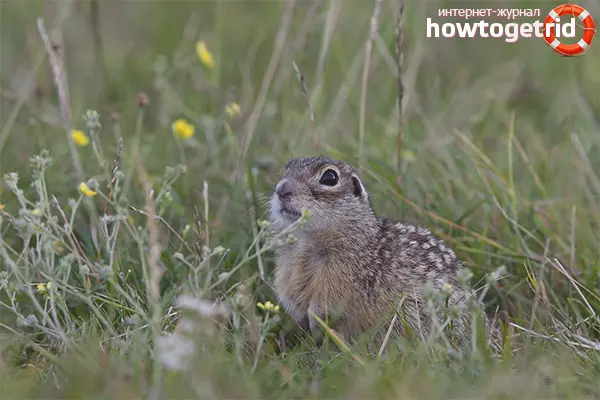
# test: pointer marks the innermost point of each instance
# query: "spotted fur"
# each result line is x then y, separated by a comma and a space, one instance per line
351, 264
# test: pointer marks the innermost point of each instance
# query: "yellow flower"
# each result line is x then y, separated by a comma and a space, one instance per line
36, 211
268, 306
447, 288
85, 189
79, 138
2, 207
233, 109
183, 129
205, 55
44, 288
41, 288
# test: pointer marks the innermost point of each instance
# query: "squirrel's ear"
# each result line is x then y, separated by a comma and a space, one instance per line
359, 189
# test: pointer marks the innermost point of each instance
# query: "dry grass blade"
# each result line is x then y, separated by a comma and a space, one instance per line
538, 285
365, 79
165, 223
113, 174
572, 239
304, 89
298, 45
205, 198
585, 343
558, 265
111, 187
153, 234
400, 62
333, 15
337, 339
206, 227
252, 122
199, 235
55, 53
388, 334
154, 271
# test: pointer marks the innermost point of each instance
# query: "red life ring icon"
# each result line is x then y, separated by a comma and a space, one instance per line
588, 25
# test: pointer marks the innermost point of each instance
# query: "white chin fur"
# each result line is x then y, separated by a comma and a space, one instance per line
276, 215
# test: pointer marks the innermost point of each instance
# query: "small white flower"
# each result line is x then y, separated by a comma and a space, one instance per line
173, 351
203, 307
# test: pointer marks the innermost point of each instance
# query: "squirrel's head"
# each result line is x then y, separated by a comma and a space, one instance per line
331, 190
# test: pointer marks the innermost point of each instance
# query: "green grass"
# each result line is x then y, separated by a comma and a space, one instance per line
501, 158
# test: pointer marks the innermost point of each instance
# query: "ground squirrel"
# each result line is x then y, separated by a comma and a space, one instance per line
349, 262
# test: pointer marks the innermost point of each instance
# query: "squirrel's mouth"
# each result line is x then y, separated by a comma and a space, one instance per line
290, 213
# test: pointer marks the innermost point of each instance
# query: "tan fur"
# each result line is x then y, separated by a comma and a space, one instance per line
349, 264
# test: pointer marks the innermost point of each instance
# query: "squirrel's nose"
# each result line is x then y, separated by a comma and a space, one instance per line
284, 189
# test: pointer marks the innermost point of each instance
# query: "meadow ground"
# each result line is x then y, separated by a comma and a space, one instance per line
99, 298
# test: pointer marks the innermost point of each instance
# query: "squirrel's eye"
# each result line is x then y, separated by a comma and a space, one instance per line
329, 178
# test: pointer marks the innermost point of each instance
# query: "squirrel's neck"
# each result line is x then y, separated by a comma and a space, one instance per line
351, 237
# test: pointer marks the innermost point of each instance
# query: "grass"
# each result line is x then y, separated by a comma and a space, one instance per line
149, 288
